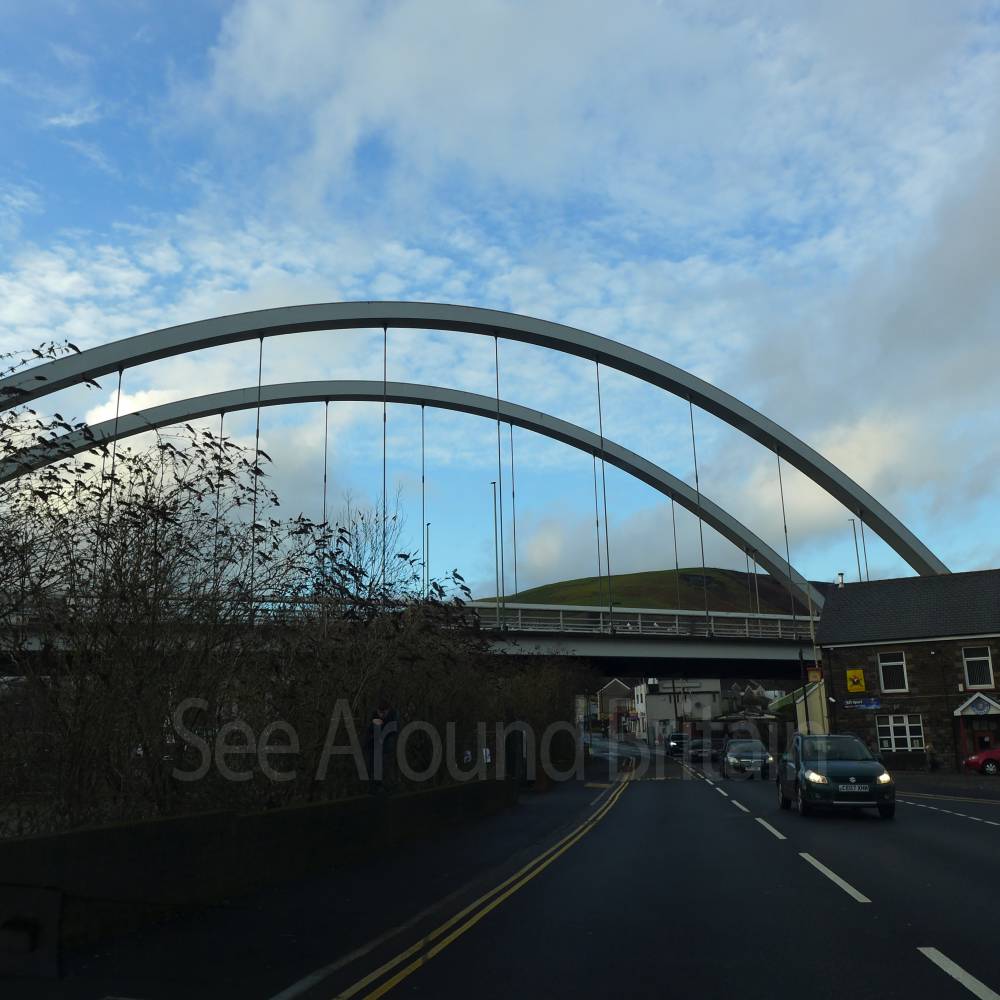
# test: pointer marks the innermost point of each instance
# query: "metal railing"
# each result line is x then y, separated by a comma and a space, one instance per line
641, 622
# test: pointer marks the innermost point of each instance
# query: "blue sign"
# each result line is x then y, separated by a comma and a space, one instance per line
863, 703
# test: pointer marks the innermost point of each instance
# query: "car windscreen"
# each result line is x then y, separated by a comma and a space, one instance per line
747, 746
834, 748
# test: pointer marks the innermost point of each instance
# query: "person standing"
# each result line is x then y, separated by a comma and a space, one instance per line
381, 736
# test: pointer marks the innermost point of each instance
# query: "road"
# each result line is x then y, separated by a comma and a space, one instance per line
667, 881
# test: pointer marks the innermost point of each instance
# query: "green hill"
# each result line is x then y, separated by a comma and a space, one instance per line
727, 591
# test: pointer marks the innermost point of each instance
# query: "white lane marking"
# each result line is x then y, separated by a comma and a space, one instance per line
721, 792
990, 822
859, 897
739, 805
973, 985
767, 826
975, 819
712, 783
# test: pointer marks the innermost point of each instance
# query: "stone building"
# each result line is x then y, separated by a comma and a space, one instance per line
910, 665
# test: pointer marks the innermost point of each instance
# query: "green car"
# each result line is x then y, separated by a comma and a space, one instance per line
838, 772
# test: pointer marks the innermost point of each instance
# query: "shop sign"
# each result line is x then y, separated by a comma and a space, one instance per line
855, 680
863, 703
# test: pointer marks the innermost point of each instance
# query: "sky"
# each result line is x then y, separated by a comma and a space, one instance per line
796, 202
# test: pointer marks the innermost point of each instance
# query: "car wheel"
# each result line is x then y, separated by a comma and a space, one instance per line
991, 767
887, 812
784, 802
804, 808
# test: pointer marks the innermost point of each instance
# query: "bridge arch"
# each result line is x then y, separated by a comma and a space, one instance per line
232, 400
62, 373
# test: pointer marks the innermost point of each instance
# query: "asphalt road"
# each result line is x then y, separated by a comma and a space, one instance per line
669, 882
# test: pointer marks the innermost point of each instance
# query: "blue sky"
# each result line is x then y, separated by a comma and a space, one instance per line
796, 202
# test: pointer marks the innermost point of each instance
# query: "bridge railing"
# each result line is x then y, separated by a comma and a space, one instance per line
648, 623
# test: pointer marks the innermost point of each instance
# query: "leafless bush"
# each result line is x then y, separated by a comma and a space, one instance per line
132, 581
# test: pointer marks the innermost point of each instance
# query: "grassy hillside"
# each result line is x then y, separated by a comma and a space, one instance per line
727, 591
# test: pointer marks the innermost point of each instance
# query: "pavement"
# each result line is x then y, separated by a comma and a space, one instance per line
643, 881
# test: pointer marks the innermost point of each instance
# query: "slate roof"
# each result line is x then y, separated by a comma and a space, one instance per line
919, 607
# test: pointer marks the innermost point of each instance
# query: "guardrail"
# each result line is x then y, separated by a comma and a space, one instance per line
648, 623
657, 623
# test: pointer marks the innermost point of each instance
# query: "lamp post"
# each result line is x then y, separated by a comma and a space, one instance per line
427, 559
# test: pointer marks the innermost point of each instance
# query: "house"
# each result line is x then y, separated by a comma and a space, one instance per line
909, 664
663, 706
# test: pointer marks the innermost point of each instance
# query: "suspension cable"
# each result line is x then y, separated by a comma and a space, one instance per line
111, 487
597, 532
503, 580
677, 565
218, 500
756, 587
746, 552
326, 527
864, 548
423, 507
496, 550
385, 394
114, 445
326, 452
784, 523
701, 529
791, 593
513, 505
857, 551
604, 490
256, 475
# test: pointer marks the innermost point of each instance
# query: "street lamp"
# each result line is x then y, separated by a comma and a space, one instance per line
427, 559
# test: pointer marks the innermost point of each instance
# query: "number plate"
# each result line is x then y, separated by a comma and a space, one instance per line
853, 788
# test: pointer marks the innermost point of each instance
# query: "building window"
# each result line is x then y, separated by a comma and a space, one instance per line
892, 671
900, 732
978, 667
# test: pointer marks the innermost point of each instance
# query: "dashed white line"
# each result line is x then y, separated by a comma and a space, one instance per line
990, 822
712, 783
767, 826
859, 897
721, 792
978, 989
739, 805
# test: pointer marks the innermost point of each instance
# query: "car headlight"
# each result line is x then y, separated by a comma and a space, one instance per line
884, 778
770, 758
732, 760
816, 778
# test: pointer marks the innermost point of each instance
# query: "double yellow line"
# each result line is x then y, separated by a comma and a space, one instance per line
475, 911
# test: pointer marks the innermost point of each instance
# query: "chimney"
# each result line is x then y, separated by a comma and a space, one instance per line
840, 581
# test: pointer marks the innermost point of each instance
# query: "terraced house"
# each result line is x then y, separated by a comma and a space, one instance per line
911, 665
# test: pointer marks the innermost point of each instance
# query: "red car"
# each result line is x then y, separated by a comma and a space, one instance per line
986, 761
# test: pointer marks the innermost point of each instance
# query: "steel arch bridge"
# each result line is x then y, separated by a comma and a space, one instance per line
118, 356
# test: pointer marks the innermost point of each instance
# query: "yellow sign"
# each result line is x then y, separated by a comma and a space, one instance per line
855, 680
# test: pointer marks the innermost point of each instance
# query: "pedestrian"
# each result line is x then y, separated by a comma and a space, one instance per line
380, 744
932, 761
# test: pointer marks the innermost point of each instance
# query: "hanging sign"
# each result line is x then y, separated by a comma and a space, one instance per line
856, 680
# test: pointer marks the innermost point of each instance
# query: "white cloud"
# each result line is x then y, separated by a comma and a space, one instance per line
86, 114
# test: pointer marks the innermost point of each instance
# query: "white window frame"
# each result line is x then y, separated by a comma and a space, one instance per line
905, 742
906, 673
965, 663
